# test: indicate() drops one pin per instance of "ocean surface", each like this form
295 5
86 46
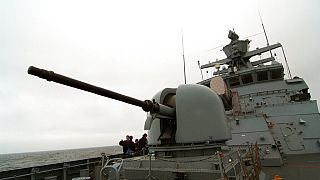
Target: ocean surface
24 160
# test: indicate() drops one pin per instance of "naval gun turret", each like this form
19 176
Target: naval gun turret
190 118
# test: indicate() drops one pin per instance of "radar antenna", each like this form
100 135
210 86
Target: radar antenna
243 38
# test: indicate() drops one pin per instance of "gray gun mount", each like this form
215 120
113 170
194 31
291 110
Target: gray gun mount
174 113
147 105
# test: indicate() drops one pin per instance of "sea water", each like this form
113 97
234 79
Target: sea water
31 159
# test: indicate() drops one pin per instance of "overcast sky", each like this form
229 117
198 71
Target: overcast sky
132 47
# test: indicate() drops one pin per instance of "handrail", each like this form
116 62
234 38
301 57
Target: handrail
50 170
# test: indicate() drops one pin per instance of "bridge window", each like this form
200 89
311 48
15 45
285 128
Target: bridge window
247 78
276 74
234 81
262 75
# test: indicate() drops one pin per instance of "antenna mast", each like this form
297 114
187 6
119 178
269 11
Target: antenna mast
285 59
200 69
184 61
265 33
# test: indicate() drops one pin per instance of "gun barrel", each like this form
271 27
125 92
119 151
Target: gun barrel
146 105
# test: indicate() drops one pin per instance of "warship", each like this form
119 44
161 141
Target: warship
245 122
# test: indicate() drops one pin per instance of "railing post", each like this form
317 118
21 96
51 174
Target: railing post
103 159
33 173
65 168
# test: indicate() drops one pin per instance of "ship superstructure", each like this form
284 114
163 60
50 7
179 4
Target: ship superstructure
262 106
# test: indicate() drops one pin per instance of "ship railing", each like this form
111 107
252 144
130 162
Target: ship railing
35 170
250 160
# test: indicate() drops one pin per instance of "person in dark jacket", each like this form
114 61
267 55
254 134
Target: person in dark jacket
136 144
131 146
124 144
142 149
143 141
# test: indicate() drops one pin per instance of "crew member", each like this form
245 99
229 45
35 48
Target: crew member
124 144
131 146
142 144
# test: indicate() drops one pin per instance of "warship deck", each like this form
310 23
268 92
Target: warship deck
306 166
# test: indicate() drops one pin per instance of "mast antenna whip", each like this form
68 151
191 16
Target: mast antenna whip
184 61
265 33
285 59
200 69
